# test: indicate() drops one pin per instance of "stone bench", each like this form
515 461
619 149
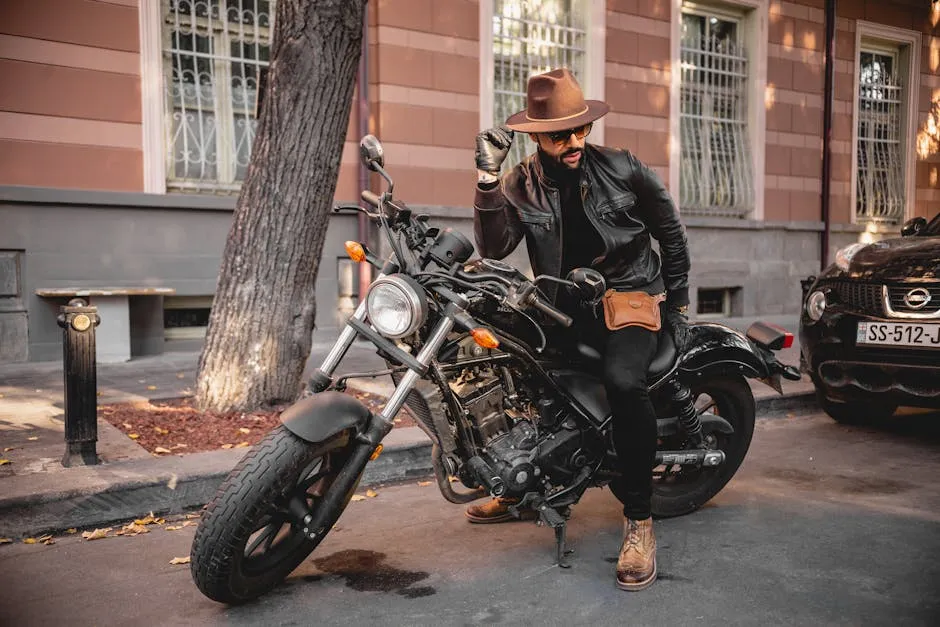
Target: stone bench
114 335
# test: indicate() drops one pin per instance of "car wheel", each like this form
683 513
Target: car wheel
856 412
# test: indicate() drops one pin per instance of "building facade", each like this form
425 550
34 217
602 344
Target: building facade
126 128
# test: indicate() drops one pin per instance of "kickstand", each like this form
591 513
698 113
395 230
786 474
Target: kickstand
553 519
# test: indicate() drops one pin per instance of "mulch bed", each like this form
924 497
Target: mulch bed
175 426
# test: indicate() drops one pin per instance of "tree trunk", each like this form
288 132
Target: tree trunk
262 317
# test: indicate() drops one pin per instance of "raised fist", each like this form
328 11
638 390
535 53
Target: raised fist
492 147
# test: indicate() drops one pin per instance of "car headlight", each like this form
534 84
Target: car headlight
396 305
844 256
816 305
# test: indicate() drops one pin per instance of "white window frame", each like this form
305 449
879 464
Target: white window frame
595 63
754 35
153 101
895 38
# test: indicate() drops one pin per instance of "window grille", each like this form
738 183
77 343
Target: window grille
880 180
214 54
715 173
531 37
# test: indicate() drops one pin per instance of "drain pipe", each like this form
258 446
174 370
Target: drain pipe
365 270
827 128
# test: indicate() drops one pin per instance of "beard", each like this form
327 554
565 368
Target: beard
574 151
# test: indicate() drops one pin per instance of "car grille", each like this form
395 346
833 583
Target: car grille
862 297
897 293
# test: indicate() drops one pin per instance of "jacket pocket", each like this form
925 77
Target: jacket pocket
534 221
616 211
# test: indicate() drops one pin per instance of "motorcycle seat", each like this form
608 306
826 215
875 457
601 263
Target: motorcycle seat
663 360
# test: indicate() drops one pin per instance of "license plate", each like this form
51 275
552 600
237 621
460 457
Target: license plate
898 334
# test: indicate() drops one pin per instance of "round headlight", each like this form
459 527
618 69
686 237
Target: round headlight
815 305
396 305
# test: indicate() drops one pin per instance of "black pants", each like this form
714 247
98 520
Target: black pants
627 356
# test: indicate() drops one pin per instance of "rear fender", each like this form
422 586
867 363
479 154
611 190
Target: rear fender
716 349
322 415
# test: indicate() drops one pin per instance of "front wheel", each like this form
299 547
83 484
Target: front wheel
680 490
251 535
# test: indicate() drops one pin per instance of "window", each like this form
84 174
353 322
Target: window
715 171
186 317
714 302
214 55
531 37
879 190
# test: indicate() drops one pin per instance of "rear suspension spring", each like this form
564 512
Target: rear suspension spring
685 410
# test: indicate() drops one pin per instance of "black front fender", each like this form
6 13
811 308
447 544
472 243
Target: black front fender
719 349
317 417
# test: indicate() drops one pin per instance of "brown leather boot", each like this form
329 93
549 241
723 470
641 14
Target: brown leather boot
497 511
636 567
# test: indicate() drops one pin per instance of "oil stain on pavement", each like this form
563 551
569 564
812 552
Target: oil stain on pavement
365 571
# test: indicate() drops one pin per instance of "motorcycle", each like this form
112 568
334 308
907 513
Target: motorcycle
509 412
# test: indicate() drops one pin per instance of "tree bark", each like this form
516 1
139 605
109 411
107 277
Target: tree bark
262 317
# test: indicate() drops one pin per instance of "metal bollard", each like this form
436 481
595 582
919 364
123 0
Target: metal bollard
78 322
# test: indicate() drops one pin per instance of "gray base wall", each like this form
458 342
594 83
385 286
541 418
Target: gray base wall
73 238
91 239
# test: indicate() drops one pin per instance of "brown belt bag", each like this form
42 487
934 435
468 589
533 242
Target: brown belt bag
622 309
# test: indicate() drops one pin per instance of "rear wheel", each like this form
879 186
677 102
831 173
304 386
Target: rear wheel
679 490
251 535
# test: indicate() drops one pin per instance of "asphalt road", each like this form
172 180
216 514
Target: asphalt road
823 525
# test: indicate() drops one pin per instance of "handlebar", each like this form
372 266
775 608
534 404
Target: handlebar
370 197
551 312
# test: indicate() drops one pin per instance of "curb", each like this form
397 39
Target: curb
100 495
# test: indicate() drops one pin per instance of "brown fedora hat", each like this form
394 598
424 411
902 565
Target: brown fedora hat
555 102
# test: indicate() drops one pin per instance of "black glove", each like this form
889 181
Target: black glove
492 147
678 324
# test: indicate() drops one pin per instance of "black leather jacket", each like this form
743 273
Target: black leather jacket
624 200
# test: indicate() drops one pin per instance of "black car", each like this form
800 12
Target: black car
870 326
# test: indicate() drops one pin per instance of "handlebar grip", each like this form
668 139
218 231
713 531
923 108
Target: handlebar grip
551 312
370 197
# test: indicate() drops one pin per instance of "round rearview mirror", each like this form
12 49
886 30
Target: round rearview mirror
589 283
914 226
371 153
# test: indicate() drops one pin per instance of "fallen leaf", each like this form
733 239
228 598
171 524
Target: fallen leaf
4 462
371 493
242 445
33 439
97 534
397 420
47 540
194 515
71 531
160 449
132 529
180 376
30 540
10 448
227 445
185 523
161 430
5 540
180 560
141 380
146 520
171 484
357 497
128 426
424 483
133 436
180 445
151 387
244 430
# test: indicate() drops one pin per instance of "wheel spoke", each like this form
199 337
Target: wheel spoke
269 532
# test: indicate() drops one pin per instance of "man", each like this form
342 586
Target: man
581 205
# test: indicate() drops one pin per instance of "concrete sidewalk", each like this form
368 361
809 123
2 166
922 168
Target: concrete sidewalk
38 494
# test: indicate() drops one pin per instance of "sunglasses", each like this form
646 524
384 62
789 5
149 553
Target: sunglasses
561 137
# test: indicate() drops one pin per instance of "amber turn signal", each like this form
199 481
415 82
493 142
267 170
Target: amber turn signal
484 337
355 251
376 453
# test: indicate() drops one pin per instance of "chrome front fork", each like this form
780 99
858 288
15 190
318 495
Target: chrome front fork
407 383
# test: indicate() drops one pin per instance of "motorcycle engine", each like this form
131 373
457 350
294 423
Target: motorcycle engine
507 432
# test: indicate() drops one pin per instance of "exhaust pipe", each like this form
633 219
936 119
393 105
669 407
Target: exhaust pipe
690 458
